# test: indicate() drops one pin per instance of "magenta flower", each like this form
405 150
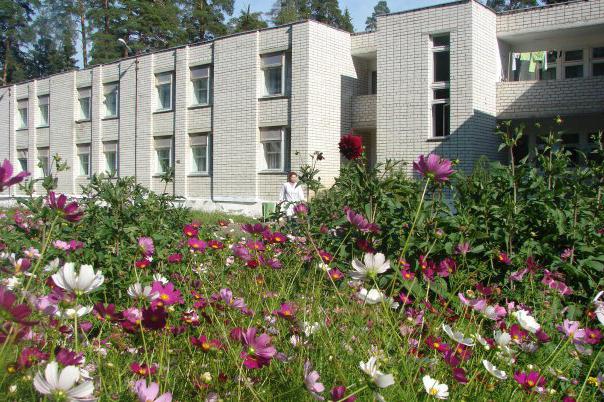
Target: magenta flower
190 231
571 329
351 146
146 246
255 245
215 245
175 258
335 274
338 393
259 350
205 344
68 358
241 252
434 167
557 285
167 294
567 253
30 356
360 222
592 336
311 380
149 394
254 228
197 245
529 380
518 334
143 369
9 310
504 258
301 209
286 311
459 375
6 171
154 318
462 248
71 212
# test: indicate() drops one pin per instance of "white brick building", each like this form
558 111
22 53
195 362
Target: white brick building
231 116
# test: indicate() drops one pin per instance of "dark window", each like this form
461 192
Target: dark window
441 119
598 69
374 82
598 52
441 66
442 40
441 93
573 71
573 55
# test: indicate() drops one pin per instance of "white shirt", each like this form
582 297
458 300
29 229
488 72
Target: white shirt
291 194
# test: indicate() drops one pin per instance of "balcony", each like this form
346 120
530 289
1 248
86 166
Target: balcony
364 111
528 99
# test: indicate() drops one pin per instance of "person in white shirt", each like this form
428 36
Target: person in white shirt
291 194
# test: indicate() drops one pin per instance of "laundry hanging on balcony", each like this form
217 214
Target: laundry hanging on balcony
532 58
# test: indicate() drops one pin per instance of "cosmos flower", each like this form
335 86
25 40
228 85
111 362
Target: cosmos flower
6 175
62 384
375 296
434 167
494 371
529 380
10 310
571 329
85 281
526 321
197 245
143 369
457 336
205 344
71 212
190 231
435 388
374 265
146 245
360 222
137 291
166 294
149 393
370 367
338 393
311 381
30 356
259 351
154 318
286 310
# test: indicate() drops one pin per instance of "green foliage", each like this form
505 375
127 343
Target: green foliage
247 21
380 8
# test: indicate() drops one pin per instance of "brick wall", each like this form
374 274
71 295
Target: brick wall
364 108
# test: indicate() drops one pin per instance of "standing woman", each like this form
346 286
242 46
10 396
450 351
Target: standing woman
291 194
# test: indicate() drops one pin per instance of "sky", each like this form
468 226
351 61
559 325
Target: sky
359 9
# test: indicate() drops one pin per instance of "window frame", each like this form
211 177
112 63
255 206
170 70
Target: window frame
265 68
80 152
84 93
573 63
160 145
593 61
439 85
23 105
159 107
114 150
194 81
44 100
283 148
23 155
111 88
43 153
193 144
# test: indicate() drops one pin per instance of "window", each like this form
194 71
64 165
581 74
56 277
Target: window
200 151
163 152
273 67
597 57
84 158
163 84
43 111
111 101
200 82
441 65
43 162
84 97
273 141
373 82
573 64
533 66
110 152
22 114
22 159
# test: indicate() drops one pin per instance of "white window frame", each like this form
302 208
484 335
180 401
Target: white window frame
43 154
267 134
84 149
108 148
111 89
265 66
594 60
160 80
198 74
161 144
573 63
23 155
22 114
199 141
84 93
44 102
439 85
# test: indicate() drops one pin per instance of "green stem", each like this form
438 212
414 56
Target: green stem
593 363
354 393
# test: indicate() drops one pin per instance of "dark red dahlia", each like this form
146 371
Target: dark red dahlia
351 146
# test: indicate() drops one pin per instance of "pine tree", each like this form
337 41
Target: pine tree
329 12
15 31
205 19
380 9
346 21
503 5
288 11
247 21
106 18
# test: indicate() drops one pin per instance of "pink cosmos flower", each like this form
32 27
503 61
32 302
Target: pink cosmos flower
407 275
167 294
149 394
338 393
571 329
567 253
462 248
335 274
133 315
476 304
197 245
71 212
360 222
286 311
146 246
254 228
190 231
241 252
529 380
143 369
504 258
215 245
592 336
557 285
175 258
459 375
434 167
6 175
518 334
68 357
30 356
259 350
205 344
311 380
301 209
255 245
12 311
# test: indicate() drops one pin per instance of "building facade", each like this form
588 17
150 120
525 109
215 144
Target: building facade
233 115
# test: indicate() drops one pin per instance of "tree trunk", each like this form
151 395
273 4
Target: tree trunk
6 52
106 16
202 27
83 30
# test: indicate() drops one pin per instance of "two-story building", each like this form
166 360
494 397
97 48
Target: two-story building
233 115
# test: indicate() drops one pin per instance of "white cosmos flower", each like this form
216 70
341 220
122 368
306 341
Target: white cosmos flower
62 385
380 379
80 311
85 282
52 266
12 282
310 328
457 336
527 321
434 388
502 339
375 296
160 278
374 264
137 291
599 307
494 371
482 341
